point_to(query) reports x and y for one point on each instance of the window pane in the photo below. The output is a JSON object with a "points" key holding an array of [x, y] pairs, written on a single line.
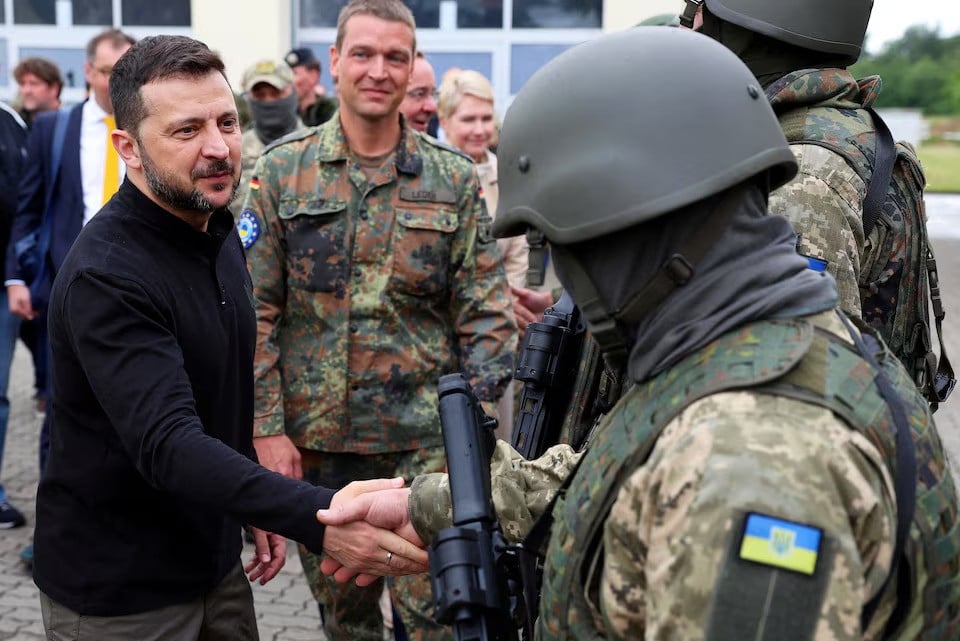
{"points": [[70, 62], [162, 13], [557, 14], [425, 12], [323, 13], [441, 62], [320, 13], [480, 14], [97, 12], [527, 59], [35, 11]]}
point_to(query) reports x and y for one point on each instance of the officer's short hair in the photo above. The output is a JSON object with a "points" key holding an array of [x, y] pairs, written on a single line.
{"points": [[389, 10]]}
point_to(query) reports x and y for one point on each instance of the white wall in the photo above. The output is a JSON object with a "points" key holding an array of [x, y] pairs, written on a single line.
{"points": [[242, 31], [621, 14]]}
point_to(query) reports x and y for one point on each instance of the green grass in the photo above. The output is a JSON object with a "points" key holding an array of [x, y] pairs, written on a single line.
{"points": [[941, 163]]}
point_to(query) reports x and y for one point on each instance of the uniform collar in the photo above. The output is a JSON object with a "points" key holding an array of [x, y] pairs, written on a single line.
{"points": [[332, 146]]}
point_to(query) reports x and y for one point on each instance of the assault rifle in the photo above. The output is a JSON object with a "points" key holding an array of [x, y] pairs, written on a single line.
{"points": [[547, 365], [473, 570]]}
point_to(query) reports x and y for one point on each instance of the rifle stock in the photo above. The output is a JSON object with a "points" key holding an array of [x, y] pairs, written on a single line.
{"points": [[547, 365]]}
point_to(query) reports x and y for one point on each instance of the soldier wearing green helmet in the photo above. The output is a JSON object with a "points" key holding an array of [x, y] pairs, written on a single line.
{"points": [[662, 20], [857, 205], [758, 479]]}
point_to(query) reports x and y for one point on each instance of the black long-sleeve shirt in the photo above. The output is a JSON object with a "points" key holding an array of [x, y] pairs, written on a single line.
{"points": [[151, 469]]}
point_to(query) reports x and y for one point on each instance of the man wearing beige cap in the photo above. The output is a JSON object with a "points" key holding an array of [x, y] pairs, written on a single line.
{"points": [[268, 88]]}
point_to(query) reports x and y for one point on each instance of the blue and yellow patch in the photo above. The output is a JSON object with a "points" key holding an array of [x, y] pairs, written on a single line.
{"points": [[816, 264], [781, 544], [249, 228]]}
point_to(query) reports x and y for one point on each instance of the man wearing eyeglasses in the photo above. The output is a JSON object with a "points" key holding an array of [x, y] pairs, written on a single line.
{"points": [[66, 180], [419, 105]]}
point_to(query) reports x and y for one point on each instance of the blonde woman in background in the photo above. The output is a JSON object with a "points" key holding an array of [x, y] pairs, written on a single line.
{"points": [[468, 120]]}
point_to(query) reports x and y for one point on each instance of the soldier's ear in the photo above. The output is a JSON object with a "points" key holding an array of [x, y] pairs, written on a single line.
{"points": [[127, 148]]}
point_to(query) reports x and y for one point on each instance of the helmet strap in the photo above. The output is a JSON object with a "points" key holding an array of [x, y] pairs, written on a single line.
{"points": [[537, 248], [605, 330], [689, 13], [679, 268]]}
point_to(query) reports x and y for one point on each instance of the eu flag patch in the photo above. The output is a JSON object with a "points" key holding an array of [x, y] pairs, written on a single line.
{"points": [[782, 544], [248, 228]]}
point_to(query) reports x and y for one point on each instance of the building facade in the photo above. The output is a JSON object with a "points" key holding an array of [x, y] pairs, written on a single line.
{"points": [[506, 40]]}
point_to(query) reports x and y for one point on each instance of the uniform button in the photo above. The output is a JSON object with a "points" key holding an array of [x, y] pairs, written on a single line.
{"points": [[407, 215], [353, 329], [357, 272], [363, 214], [355, 387]]}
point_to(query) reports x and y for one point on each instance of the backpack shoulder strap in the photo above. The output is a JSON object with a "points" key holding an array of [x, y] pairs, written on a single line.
{"points": [[886, 157]]}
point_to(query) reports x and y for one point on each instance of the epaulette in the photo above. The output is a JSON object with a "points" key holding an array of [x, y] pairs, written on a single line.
{"points": [[442, 145], [293, 136]]}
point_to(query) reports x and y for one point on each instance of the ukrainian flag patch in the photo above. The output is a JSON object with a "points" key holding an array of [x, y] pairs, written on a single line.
{"points": [[781, 544]]}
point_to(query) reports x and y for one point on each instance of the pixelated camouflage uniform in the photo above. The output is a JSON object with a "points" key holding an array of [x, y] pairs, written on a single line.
{"points": [[881, 278], [367, 291], [250, 150], [645, 542]]}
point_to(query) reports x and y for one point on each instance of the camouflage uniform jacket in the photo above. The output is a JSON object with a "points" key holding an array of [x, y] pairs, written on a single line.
{"points": [[367, 291], [660, 563], [250, 151], [824, 203]]}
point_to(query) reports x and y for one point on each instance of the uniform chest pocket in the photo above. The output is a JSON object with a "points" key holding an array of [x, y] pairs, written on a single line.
{"points": [[316, 244], [422, 245]]}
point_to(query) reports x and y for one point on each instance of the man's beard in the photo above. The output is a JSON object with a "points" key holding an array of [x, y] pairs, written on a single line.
{"points": [[164, 185]]}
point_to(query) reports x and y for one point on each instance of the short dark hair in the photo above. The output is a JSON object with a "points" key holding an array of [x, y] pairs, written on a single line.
{"points": [[156, 58], [389, 10], [42, 68], [115, 37]]}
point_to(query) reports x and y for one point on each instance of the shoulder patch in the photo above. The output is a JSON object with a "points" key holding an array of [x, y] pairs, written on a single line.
{"points": [[772, 582], [781, 544], [249, 228]]}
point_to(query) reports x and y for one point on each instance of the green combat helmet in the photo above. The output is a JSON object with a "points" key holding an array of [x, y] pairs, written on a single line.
{"points": [[653, 147], [827, 26], [663, 20]]}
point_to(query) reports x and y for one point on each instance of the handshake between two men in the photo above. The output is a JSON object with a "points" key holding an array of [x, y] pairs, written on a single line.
{"points": [[369, 533]]}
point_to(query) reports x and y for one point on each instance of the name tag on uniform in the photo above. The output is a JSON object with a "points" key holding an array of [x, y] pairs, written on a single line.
{"points": [[427, 195]]}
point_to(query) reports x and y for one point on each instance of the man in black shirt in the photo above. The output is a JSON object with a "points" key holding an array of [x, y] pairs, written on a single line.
{"points": [[151, 470]]}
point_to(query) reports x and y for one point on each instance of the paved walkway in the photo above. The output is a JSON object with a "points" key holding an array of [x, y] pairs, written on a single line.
{"points": [[285, 608]]}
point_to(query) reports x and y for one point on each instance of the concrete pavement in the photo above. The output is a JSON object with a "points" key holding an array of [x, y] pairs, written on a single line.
{"points": [[285, 608]]}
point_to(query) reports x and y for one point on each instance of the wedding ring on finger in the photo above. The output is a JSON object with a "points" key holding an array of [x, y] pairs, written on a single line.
{"points": [[389, 557]]}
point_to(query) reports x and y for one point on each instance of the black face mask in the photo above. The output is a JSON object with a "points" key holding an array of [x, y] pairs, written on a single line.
{"points": [[275, 118]]}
